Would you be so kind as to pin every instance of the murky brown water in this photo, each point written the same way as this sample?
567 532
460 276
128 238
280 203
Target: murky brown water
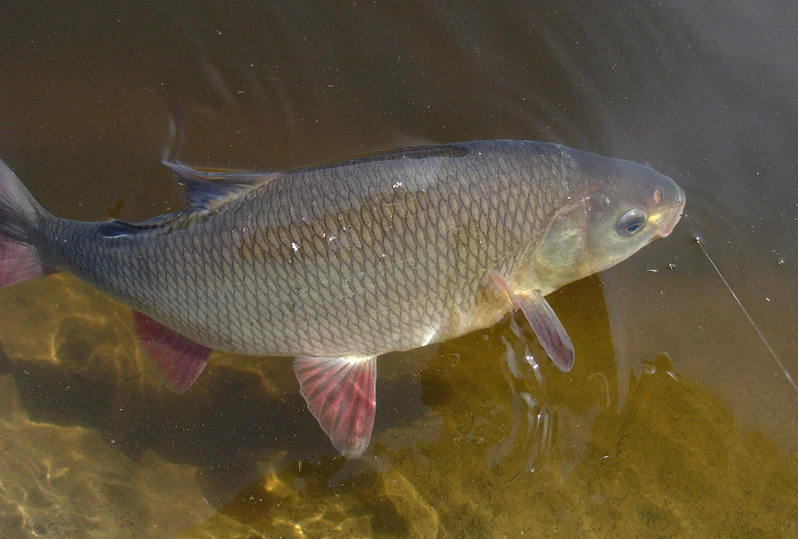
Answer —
675 422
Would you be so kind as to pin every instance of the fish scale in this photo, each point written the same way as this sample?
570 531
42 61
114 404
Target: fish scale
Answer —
236 313
339 263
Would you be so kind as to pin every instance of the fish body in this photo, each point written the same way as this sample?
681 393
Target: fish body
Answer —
339 263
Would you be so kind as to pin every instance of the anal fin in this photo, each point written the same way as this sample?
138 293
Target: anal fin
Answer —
178 359
544 322
341 393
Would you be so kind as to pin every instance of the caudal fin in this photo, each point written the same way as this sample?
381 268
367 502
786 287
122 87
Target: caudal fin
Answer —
19 214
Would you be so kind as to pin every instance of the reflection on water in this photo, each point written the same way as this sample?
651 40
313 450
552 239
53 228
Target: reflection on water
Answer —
675 420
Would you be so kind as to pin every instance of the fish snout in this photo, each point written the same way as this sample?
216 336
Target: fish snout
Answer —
670 222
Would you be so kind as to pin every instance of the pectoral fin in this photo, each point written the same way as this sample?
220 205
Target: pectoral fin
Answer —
341 395
549 330
544 322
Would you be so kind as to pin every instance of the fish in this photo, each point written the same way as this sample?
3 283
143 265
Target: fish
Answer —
340 263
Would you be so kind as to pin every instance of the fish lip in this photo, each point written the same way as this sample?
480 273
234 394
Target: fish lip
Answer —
676 216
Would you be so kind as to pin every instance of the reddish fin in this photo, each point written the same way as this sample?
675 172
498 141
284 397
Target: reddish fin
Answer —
178 359
18 262
544 322
548 329
19 215
341 393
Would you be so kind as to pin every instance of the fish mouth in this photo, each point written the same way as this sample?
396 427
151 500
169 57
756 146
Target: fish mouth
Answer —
675 216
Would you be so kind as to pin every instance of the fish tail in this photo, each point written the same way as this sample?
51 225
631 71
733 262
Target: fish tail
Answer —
19 218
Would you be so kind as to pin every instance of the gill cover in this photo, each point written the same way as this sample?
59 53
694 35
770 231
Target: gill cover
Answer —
623 211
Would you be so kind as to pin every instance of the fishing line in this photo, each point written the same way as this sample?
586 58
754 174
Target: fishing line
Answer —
745 311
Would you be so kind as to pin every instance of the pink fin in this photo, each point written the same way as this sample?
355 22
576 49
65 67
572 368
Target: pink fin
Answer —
544 322
341 393
549 330
18 262
178 359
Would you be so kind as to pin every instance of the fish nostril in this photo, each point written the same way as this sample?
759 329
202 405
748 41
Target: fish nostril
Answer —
657 196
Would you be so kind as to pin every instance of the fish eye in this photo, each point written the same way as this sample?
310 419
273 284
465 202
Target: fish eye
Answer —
632 222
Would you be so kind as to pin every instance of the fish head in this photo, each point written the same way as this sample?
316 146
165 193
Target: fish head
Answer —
618 208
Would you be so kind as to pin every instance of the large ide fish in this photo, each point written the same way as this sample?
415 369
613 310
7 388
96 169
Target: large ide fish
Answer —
339 263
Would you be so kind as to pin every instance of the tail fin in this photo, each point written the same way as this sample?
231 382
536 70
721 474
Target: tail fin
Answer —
19 214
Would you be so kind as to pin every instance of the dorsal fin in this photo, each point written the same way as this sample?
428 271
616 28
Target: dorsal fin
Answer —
209 189
116 228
